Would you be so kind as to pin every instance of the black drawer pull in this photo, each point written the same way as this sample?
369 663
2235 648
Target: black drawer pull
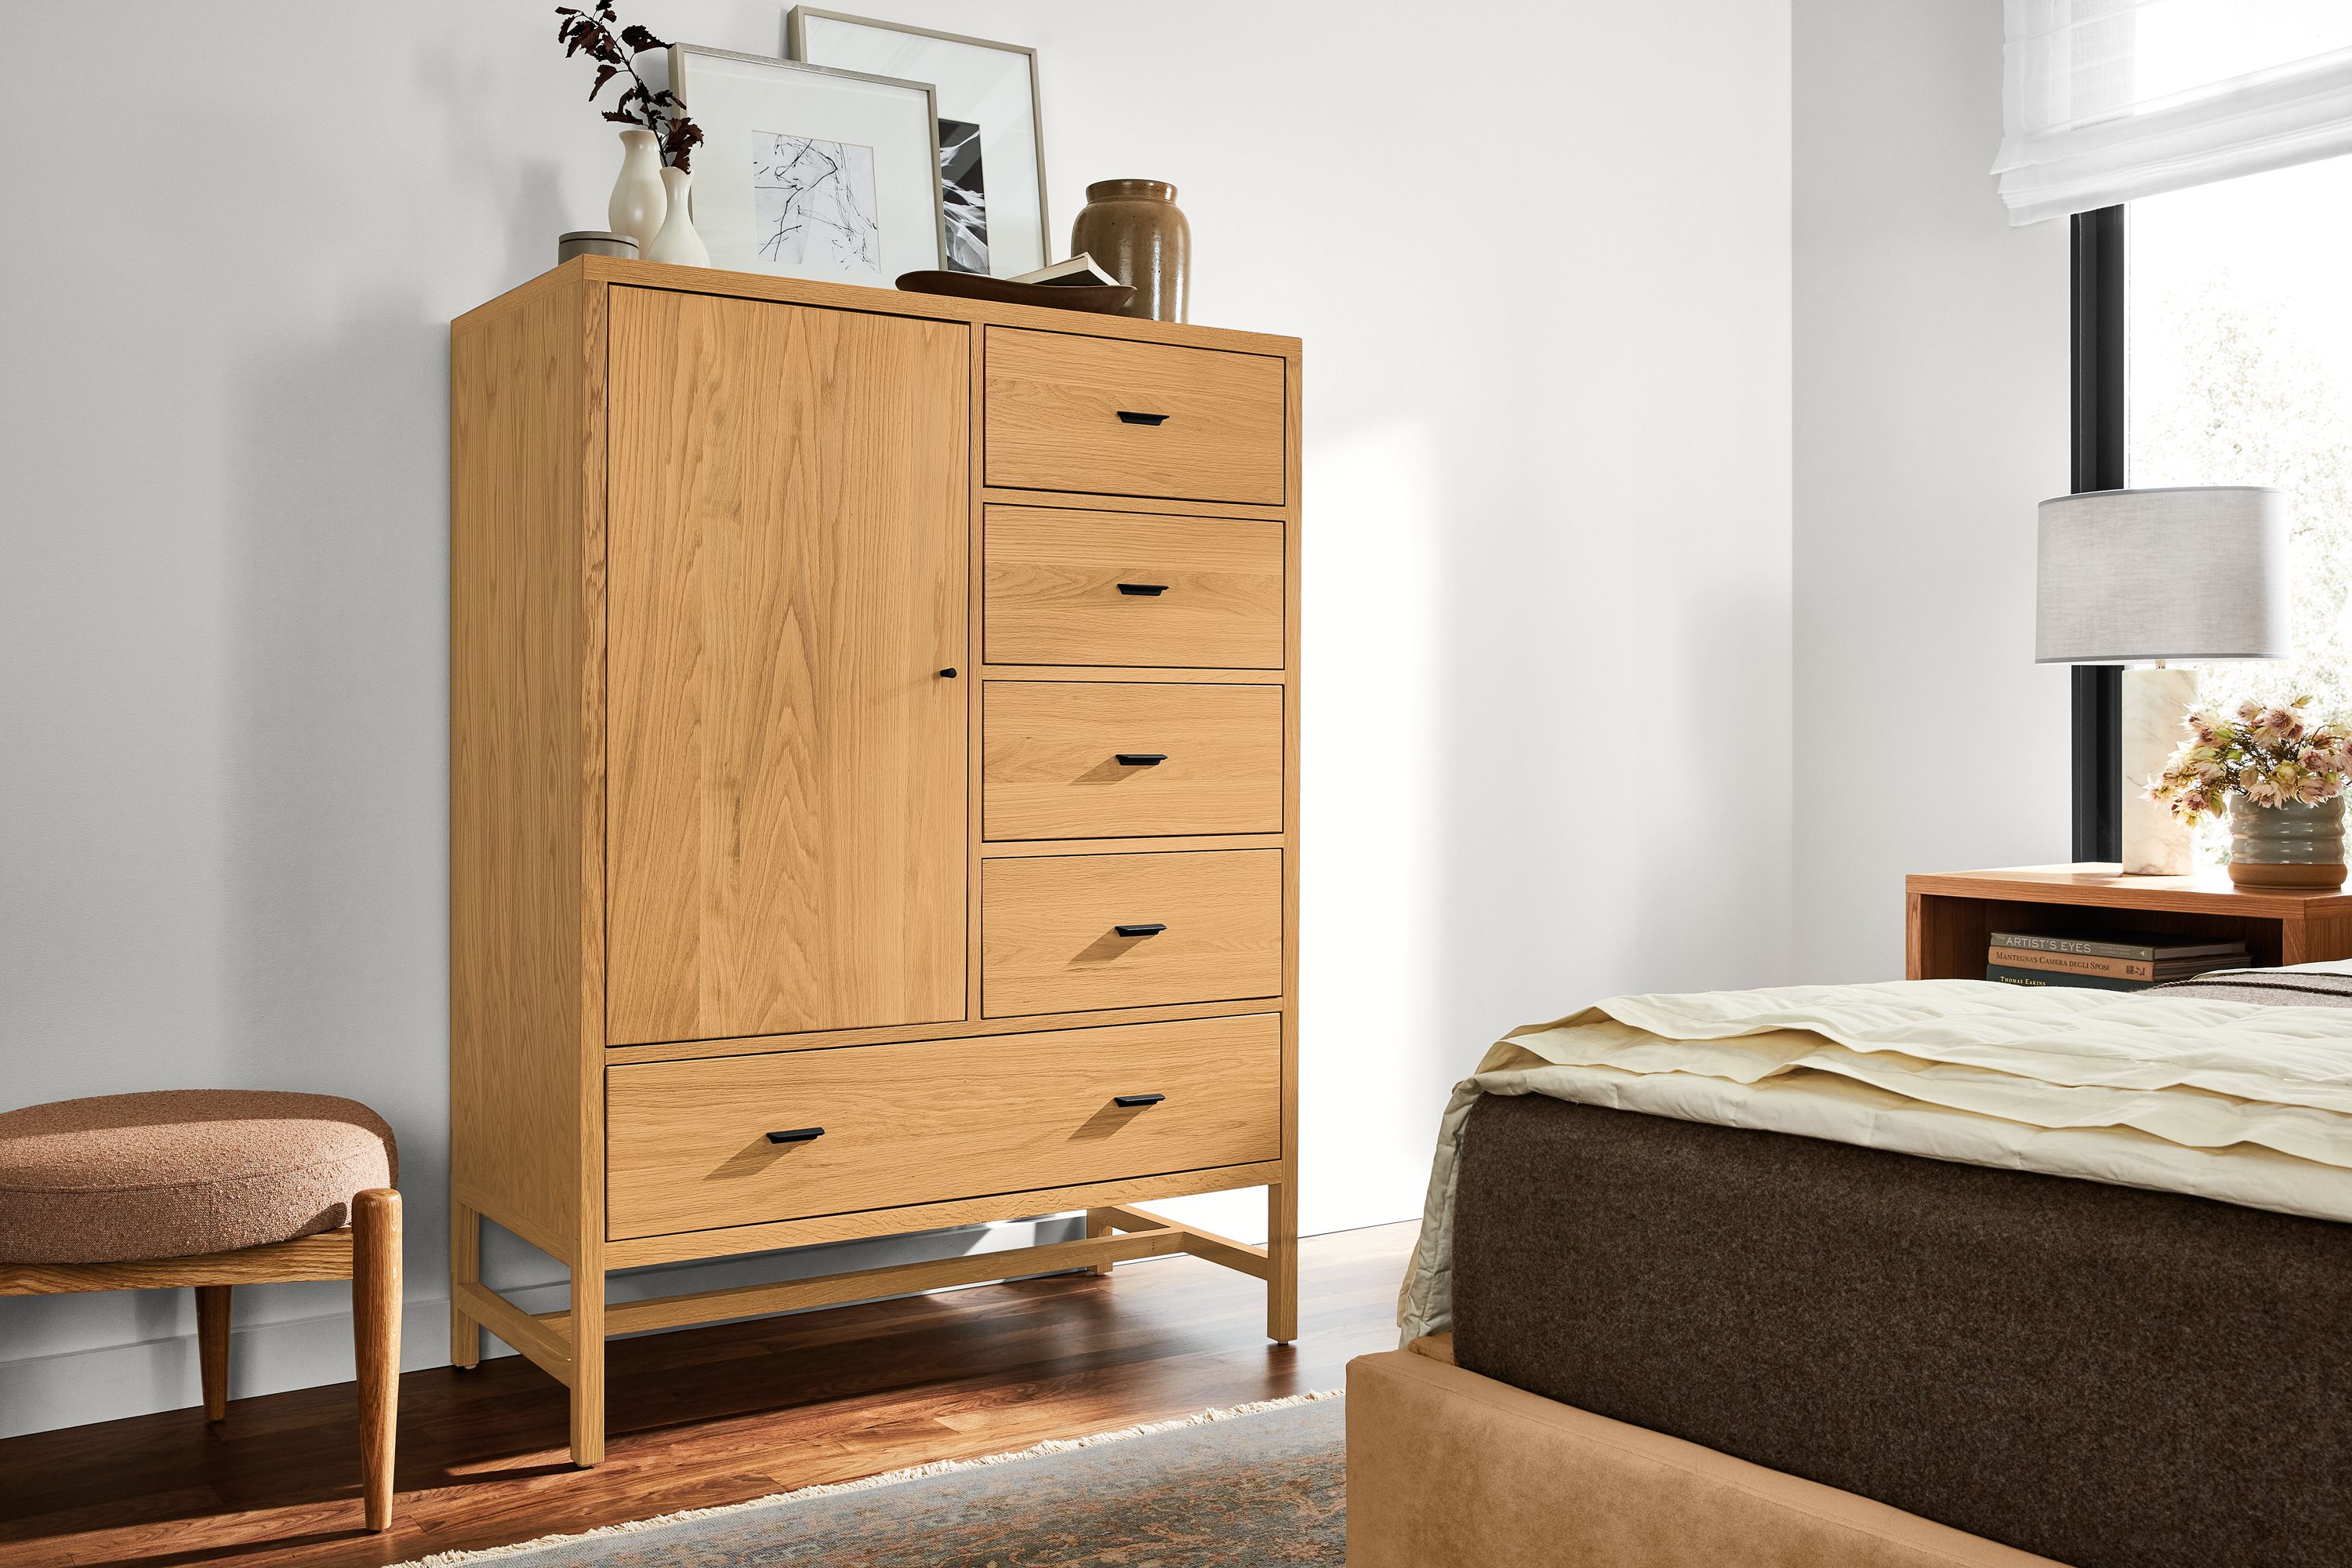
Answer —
1133 1101
1144 590
796 1135
1130 416
948 673
1145 928
1138 759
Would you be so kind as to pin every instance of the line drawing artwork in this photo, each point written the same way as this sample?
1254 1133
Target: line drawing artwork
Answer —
813 201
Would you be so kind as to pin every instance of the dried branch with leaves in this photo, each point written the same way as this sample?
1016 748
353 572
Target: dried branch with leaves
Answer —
589 31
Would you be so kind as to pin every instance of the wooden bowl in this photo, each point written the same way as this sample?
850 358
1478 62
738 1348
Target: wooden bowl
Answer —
1099 298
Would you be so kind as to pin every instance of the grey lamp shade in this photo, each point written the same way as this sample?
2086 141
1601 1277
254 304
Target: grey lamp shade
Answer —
2127 576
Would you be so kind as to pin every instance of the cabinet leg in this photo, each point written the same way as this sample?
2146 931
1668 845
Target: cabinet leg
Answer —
1098 1225
465 1268
588 1365
375 1327
212 1347
1282 1262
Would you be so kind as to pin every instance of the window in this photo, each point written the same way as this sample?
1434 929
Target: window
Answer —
2239 371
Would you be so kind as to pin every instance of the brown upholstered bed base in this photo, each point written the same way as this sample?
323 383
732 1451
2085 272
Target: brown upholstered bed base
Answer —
2109 1377
1450 1470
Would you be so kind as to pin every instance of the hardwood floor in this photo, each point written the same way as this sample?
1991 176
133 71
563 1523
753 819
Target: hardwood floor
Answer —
703 1416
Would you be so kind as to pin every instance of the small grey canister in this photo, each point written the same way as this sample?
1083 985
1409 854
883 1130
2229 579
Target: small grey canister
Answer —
592 242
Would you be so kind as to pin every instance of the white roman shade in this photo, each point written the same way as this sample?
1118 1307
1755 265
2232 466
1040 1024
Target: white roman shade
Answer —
2195 573
2104 100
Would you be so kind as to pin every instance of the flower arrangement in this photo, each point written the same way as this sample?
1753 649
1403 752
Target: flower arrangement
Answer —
589 31
2271 756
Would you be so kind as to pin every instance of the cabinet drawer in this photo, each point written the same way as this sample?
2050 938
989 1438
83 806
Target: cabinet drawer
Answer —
1050 940
687 1144
1109 416
1052 767
1106 587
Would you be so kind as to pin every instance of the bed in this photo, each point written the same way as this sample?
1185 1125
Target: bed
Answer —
1931 1272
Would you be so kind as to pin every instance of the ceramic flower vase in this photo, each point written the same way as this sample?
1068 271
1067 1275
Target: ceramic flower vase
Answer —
640 202
2286 846
677 244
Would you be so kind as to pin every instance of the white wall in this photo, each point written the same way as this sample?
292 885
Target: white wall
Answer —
1541 257
1931 415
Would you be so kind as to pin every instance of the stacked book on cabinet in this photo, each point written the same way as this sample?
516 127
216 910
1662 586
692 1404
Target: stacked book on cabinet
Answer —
2106 961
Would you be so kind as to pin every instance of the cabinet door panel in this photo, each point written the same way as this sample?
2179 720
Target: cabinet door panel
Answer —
789 523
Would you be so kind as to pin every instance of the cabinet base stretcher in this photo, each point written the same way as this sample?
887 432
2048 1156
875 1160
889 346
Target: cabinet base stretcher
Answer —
1117 1233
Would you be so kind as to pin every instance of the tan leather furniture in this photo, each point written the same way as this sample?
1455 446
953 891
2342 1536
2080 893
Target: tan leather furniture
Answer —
1450 1470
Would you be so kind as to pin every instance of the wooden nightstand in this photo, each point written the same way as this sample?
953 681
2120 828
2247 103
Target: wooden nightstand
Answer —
1952 913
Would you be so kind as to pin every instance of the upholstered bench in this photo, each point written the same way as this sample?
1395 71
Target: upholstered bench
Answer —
216 1188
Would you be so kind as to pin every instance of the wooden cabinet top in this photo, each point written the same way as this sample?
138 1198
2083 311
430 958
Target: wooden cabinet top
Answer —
2206 891
607 270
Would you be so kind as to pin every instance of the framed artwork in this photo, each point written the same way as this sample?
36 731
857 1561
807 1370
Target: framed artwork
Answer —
991 141
808 172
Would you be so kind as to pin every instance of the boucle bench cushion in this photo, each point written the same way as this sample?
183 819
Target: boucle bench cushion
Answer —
183 1171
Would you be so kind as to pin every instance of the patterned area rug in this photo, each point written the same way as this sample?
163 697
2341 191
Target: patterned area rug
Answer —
1260 1484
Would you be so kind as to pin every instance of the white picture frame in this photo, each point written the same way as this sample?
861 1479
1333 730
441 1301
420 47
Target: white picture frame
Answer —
809 172
991 132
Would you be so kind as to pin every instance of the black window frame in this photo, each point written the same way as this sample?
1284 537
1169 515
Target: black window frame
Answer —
2096 314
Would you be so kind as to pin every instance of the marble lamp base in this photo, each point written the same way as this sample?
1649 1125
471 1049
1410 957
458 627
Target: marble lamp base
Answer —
2155 702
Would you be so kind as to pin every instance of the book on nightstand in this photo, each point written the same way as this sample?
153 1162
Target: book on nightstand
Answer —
2119 960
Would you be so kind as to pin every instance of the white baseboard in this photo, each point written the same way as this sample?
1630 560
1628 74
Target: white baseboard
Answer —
107 1383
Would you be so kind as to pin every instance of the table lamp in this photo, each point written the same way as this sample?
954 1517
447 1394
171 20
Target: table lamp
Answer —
2142 577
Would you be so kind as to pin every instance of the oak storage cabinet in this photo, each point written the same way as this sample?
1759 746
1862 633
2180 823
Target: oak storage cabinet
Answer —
874 787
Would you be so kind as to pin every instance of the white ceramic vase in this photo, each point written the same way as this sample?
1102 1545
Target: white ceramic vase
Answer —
677 244
640 201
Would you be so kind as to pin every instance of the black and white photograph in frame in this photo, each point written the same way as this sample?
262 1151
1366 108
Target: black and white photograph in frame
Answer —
964 196
991 144
809 172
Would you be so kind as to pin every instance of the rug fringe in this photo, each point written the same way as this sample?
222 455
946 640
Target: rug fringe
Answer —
888 1479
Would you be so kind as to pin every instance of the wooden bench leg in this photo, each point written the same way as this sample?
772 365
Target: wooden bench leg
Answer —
375 1329
212 1347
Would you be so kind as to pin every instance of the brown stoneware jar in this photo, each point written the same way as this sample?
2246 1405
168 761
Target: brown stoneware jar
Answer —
1135 231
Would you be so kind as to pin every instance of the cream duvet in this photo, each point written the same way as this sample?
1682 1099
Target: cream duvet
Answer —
2246 1103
